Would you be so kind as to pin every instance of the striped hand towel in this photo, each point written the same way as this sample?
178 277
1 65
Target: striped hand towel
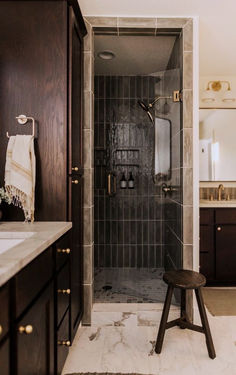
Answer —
20 173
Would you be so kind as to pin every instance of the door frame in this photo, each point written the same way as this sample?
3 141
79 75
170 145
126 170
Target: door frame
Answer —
190 199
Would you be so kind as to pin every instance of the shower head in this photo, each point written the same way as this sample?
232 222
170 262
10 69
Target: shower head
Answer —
146 108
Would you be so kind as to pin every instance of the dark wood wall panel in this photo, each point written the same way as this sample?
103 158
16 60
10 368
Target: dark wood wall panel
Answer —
33 81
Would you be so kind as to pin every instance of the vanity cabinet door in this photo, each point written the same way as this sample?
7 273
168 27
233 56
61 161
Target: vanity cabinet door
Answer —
35 338
226 253
4 357
207 252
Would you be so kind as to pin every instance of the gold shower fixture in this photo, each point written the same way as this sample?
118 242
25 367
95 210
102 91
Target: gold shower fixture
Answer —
216 86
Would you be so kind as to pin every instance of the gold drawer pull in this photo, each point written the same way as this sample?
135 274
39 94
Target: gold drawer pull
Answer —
75 169
1 329
63 342
27 329
64 251
63 291
219 229
75 182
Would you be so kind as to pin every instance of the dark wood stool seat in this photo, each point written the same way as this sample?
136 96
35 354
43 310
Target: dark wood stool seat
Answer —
184 280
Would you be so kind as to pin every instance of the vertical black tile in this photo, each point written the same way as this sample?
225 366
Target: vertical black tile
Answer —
145 232
126 82
120 87
133 228
139 232
114 255
133 87
151 230
126 256
132 256
126 232
151 258
107 260
101 256
139 256
114 87
120 256
120 232
145 256
107 87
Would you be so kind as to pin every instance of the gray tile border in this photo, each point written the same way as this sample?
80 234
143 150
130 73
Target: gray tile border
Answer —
188 70
188 36
136 22
88 304
102 21
88 264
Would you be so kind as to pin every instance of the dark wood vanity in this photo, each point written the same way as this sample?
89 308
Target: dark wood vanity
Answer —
36 314
218 245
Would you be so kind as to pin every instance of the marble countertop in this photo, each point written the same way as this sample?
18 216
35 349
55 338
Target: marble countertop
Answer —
30 239
207 203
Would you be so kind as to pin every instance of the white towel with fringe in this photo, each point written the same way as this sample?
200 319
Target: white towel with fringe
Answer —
20 173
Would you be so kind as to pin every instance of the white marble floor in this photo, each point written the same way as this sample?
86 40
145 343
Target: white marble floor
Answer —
122 337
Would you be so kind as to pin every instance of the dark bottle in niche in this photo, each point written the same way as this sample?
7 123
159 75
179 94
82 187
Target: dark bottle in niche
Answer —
123 182
131 181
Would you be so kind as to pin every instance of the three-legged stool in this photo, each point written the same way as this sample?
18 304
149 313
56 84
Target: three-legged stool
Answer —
183 280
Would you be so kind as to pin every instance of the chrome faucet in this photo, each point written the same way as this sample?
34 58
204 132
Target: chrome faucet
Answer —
219 192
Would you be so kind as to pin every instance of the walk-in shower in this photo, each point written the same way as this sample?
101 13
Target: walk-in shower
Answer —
135 226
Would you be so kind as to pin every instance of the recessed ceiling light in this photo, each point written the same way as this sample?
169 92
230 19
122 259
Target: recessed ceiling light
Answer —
106 55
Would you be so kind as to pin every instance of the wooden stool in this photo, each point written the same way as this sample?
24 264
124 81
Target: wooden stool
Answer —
184 279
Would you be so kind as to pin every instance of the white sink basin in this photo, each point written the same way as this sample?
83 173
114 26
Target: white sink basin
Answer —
17 235
6 244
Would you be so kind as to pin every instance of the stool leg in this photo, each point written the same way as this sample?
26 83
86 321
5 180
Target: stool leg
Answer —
183 305
205 324
164 318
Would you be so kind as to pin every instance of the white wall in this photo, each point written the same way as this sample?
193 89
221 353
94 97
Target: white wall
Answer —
217 26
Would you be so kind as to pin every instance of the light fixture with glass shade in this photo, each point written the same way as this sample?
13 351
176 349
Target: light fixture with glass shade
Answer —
213 87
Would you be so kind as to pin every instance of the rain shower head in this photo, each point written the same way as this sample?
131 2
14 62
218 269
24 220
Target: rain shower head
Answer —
147 107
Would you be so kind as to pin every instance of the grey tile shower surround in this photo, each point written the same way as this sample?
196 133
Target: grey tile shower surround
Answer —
128 225
186 134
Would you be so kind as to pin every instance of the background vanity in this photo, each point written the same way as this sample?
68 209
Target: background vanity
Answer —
217 134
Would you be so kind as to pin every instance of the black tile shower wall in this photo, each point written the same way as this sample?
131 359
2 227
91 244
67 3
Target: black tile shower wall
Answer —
128 225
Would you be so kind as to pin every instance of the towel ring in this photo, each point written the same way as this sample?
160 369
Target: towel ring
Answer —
22 120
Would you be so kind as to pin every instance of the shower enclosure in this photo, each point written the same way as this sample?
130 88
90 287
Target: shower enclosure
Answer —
137 230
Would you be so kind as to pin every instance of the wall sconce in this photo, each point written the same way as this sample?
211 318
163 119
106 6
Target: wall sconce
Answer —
216 86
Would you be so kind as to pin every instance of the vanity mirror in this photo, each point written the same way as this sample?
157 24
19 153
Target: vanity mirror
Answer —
217 143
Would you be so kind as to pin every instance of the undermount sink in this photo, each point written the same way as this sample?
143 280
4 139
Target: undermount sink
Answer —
15 235
11 239
6 244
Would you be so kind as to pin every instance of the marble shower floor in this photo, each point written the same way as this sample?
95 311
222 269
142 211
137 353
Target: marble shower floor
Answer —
129 285
122 338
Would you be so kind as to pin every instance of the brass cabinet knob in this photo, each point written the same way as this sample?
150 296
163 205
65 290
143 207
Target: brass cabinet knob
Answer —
63 291
75 169
1 329
75 182
27 329
63 342
64 251
219 229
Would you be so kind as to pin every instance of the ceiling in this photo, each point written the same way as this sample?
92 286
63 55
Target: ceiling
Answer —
134 55
217 27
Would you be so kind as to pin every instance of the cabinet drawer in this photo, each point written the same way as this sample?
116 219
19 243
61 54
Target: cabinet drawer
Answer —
4 310
63 250
206 215
32 279
226 215
63 291
63 343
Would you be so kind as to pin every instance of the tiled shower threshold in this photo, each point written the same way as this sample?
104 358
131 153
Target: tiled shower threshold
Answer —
129 285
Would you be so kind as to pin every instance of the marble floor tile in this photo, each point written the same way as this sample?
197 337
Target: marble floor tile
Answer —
122 339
